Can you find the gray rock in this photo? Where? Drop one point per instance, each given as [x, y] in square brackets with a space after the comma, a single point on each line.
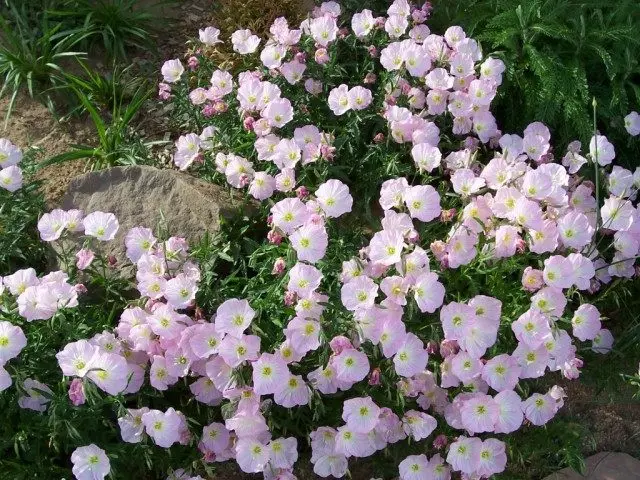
[603, 466]
[180, 204]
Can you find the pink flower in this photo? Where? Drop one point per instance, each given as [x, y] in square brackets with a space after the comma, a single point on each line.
[292, 392]
[90, 463]
[310, 242]
[323, 30]
[575, 230]
[334, 198]
[532, 279]
[11, 178]
[351, 366]
[339, 100]
[510, 415]
[601, 150]
[479, 413]
[586, 322]
[215, 437]
[353, 444]
[602, 342]
[235, 350]
[278, 112]
[164, 428]
[304, 279]
[284, 453]
[386, 247]
[244, 41]
[414, 467]
[109, 372]
[632, 124]
[464, 454]
[101, 225]
[172, 70]
[233, 317]
[209, 36]
[501, 372]
[418, 425]
[539, 409]
[12, 341]
[252, 455]
[289, 214]
[131, 426]
[84, 258]
[360, 292]
[423, 202]
[10, 154]
[411, 358]
[76, 392]
[492, 458]
[38, 395]
[360, 414]
[359, 98]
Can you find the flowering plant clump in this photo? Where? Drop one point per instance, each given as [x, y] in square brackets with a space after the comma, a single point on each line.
[421, 268]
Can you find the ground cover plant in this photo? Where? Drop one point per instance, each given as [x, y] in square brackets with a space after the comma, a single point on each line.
[413, 287]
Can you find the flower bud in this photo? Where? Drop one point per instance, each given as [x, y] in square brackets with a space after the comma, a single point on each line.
[279, 266]
[274, 237]
[374, 377]
[321, 56]
[370, 78]
[193, 63]
[290, 298]
[76, 392]
[339, 344]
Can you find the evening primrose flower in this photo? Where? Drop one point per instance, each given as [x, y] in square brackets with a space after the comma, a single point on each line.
[510, 414]
[131, 426]
[292, 392]
[464, 454]
[362, 23]
[340, 100]
[539, 408]
[360, 292]
[269, 371]
[233, 317]
[289, 214]
[77, 358]
[423, 202]
[501, 372]
[215, 437]
[101, 225]
[10, 154]
[244, 41]
[310, 242]
[334, 198]
[386, 247]
[12, 341]
[284, 452]
[411, 358]
[351, 365]
[418, 425]
[172, 70]
[586, 322]
[163, 427]
[90, 463]
[360, 414]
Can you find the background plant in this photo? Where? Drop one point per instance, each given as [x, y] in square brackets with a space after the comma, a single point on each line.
[559, 55]
[33, 49]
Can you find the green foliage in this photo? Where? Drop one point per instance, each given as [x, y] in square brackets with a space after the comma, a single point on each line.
[116, 87]
[115, 25]
[118, 143]
[559, 54]
[32, 52]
